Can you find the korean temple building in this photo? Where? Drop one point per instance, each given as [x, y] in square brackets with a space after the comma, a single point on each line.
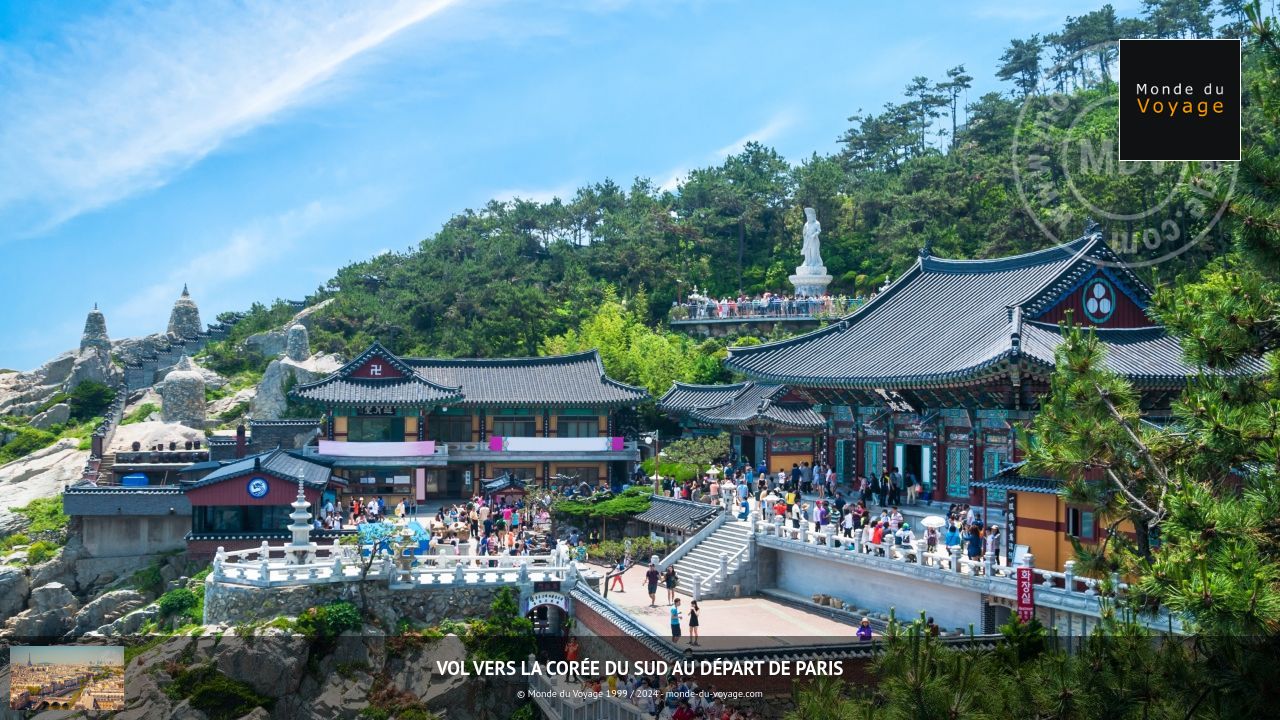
[942, 371]
[426, 427]
[766, 422]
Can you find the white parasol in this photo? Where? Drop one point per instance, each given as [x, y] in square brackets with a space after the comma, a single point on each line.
[934, 521]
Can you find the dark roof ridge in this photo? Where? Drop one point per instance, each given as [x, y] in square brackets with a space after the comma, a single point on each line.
[1154, 330]
[1043, 256]
[712, 386]
[526, 360]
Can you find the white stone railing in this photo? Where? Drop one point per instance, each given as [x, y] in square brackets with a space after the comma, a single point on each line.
[692, 541]
[945, 562]
[728, 565]
[290, 565]
[561, 700]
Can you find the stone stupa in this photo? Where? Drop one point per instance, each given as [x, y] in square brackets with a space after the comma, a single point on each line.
[184, 320]
[95, 332]
[182, 395]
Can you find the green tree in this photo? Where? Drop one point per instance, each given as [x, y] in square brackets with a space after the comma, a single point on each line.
[1021, 64]
[504, 634]
[698, 452]
[90, 398]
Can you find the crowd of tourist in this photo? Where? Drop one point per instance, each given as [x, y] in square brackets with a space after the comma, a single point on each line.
[762, 306]
[786, 496]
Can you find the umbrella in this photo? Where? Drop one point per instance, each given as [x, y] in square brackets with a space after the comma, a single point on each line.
[934, 521]
[714, 471]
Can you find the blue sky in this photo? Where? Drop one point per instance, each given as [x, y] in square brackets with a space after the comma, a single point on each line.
[252, 149]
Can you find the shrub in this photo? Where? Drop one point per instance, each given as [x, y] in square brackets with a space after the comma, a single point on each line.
[328, 621]
[148, 579]
[177, 601]
[14, 540]
[41, 551]
[26, 441]
[44, 514]
[90, 398]
[641, 548]
[140, 413]
[216, 695]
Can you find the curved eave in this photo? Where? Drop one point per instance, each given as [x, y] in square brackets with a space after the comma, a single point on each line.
[356, 403]
[965, 376]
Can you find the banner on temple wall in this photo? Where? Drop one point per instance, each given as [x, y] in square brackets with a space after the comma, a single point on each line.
[1026, 595]
[536, 444]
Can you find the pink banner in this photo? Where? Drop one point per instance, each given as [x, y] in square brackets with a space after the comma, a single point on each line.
[562, 445]
[1026, 595]
[377, 449]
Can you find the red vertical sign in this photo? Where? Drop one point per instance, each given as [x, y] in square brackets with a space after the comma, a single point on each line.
[1026, 595]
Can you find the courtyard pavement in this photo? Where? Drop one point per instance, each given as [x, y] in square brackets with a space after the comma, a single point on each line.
[732, 623]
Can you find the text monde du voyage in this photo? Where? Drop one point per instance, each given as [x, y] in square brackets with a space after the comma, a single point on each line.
[1181, 99]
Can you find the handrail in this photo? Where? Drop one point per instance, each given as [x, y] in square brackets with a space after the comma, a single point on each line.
[948, 562]
[717, 521]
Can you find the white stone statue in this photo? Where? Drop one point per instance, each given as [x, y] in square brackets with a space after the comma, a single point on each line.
[812, 247]
[811, 278]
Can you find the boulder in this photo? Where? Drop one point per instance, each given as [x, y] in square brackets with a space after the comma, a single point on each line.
[270, 401]
[93, 363]
[40, 625]
[52, 596]
[226, 404]
[270, 343]
[151, 433]
[129, 624]
[41, 474]
[13, 591]
[273, 665]
[57, 415]
[107, 608]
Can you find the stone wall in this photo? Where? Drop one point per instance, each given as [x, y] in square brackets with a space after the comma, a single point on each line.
[952, 607]
[109, 537]
[238, 604]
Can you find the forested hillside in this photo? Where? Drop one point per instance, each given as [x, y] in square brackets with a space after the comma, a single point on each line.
[931, 170]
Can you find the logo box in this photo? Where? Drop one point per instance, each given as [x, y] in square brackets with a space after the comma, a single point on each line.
[1180, 100]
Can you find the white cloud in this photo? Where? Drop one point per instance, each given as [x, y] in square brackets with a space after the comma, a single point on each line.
[246, 251]
[763, 134]
[772, 128]
[128, 100]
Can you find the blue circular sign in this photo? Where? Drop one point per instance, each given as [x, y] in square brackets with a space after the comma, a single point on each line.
[258, 487]
[1099, 300]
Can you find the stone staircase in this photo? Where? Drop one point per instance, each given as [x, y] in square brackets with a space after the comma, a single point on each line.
[704, 560]
[104, 468]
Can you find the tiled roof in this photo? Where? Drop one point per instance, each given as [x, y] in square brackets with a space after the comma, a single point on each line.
[673, 513]
[739, 405]
[280, 463]
[556, 380]
[341, 388]
[945, 321]
[683, 397]
[1011, 478]
[755, 405]
[1140, 353]
[407, 391]
[82, 500]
